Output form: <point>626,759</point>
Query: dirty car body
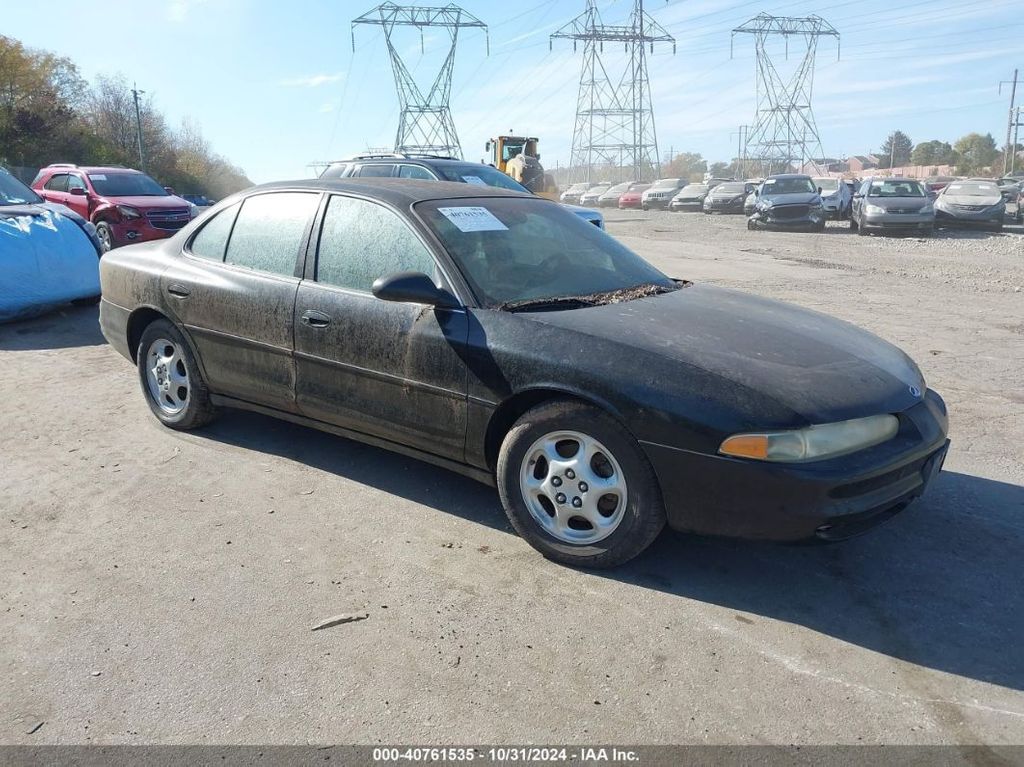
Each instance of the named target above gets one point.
<point>680,368</point>
<point>788,201</point>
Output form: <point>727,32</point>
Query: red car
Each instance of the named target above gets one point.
<point>125,205</point>
<point>631,199</point>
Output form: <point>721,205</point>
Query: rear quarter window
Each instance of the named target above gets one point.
<point>212,240</point>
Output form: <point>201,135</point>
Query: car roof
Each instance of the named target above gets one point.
<point>788,175</point>
<point>404,160</point>
<point>397,191</point>
<point>90,168</point>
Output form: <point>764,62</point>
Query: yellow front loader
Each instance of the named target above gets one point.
<point>517,156</point>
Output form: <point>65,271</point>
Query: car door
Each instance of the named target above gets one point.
<point>393,370</point>
<point>234,291</point>
<point>78,196</point>
<point>56,189</point>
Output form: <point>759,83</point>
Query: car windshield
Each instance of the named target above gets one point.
<point>581,187</point>
<point>619,188</point>
<point>896,188</point>
<point>600,189</point>
<point>513,250</point>
<point>972,190</point>
<point>827,184</point>
<point>665,183</point>
<point>694,189</point>
<point>788,186</point>
<point>731,188</point>
<point>13,192</point>
<point>482,175</point>
<point>126,185</point>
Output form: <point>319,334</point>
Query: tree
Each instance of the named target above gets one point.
<point>977,152</point>
<point>688,165</point>
<point>895,150</point>
<point>933,153</point>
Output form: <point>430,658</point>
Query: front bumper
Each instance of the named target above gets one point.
<point>724,207</point>
<point>968,218</point>
<point>900,222</point>
<point>687,205</point>
<point>811,220</point>
<point>657,202</point>
<point>827,500</point>
<point>114,326</point>
<point>137,230</point>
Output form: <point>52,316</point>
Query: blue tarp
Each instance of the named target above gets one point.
<point>46,259</point>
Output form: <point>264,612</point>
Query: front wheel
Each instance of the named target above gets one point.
<point>170,377</point>
<point>576,486</point>
<point>106,235</point>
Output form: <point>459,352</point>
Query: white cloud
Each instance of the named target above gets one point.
<point>311,81</point>
<point>178,10</point>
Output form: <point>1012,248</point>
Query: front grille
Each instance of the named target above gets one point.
<point>170,220</point>
<point>790,211</point>
<point>969,208</point>
<point>903,210</point>
<point>854,489</point>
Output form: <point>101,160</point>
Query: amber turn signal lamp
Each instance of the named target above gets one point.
<point>746,446</point>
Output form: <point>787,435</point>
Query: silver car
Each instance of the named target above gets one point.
<point>973,202</point>
<point>661,193</point>
<point>892,205</point>
<point>835,196</point>
<point>591,196</point>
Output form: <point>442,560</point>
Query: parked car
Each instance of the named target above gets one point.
<point>592,195</point>
<point>571,196</point>
<point>938,183</point>
<point>49,253</point>
<point>973,202</point>
<point>661,193</point>
<point>835,196</point>
<point>426,167</point>
<point>634,197</point>
<point>125,205</point>
<point>411,316</point>
<point>892,204</point>
<point>1010,188</point>
<point>727,197</point>
<point>852,185</point>
<point>610,199</point>
<point>690,197</point>
<point>712,182</point>
<point>788,201</point>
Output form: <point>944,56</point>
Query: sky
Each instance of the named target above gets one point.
<point>276,85</point>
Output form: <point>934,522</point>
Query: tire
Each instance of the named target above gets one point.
<point>544,451</point>
<point>164,360</point>
<point>644,207</point>
<point>106,235</point>
<point>853,224</point>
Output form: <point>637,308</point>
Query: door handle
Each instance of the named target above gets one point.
<point>178,291</point>
<point>315,319</point>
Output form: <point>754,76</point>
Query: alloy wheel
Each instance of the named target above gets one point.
<point>573,487</point>
<point>167,376</point>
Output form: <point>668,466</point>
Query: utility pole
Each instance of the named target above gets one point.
<point>138,124</point>
<point>1016,133</point>
<point>1010,121</point>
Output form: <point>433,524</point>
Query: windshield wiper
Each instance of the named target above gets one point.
<point>556,302</point>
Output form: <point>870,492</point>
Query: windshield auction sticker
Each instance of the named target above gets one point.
<point>473,219</point>
<point>475,180</point>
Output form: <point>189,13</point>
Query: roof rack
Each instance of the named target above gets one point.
<point>401,156</point>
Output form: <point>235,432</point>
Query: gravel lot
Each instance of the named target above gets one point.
<point>158,587</point>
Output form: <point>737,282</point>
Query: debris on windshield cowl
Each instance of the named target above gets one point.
<point>637,291</point>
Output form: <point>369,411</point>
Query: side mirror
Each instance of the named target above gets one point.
<point>413,288</point>
<point>169,189</point>
<point>79,191</point>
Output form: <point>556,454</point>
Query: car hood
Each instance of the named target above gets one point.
<point>150,203</point>
<point>801,198</point>
<point>963,199</point>
<point>820,368</point>
<point>886,203</point>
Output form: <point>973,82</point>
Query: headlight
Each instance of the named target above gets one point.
<point>814,442</point>
<point>874,210</point>
<point>128,212</point>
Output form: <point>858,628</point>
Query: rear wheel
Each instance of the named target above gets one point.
<point>170,377</point>
<point>576,486</point>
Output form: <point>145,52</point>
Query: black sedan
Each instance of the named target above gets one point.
<point>497,334</point>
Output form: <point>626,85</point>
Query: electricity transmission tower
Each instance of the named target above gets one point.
<point>614,120</point>
<point>425,124</point>
<point>784,132</point>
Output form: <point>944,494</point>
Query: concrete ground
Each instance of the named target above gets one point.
<point>159,587</point>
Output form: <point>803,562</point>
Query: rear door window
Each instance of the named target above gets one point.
<point>380,170</point>
<point>57,183</point>
<point>270,230</point>
<point>361,241</point>
<point>212,240</point>
<point>74,182</point>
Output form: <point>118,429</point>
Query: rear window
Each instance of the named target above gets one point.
<point>269,231</point>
